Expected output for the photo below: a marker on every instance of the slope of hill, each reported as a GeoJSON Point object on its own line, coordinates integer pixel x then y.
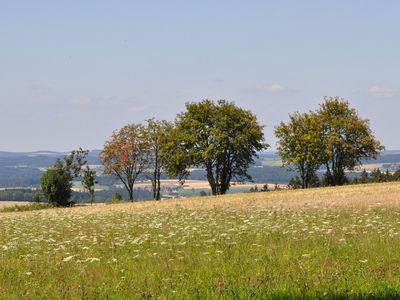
{"type": "Point", "coordinates": [337, 242]}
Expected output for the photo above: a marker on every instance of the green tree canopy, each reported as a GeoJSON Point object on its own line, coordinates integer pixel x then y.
{"type": "Point", "coordinates": [347, 139]}
{"type": "Point", "coordinates": [56, 185]}
{"type": "Point", "coordinates": [158, 134]}
{"type": "Point", "coordinates": [299, 145]}
{"type": "Point", "coordinates": [217, 136]}
{"type": "Point", "coordinates": [334, 136]}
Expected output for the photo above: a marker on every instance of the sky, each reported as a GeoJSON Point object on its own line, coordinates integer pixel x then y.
{"type": "Point", "coordinates": [72, 72]}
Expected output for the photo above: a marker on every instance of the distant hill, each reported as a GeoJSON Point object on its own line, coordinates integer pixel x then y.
{"type": "Point", "coordinates": [25, 168]}
{"type": "Point", "coordinates": [22, 169]}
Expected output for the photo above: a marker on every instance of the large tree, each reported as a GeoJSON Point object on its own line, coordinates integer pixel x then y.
{"type": "Point", "coordinates": [299, 145]}
{"type": "Point", "coordinates": [347, 139]}
{"type": "Point", "coordinates": [217, 136]}
{"type": "Point", "coordinates": [127, 154]}
{"type": "Point", "coordinates": [157, 134]}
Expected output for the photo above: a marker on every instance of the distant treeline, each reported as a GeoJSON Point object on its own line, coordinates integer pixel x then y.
{"type": "Point", "coordinates": [377, 176]}
{"type": "Point", "coordinates": [76, 197]}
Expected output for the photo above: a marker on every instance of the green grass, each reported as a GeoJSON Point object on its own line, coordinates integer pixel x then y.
{"type": "Point", "coordinates": [26, 207]}
{"type": "Point", "coordinates": [238, 248]}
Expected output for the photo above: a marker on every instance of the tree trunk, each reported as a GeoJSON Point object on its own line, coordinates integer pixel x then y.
{"type": "Point", "coordinates": [158, 185]}
{"type": "Point", "coordinates": [155, 178]}
{"type": "Point", "coordinates": [224, 188]}
{"type": "Point", "coordinates": [211, 180]}
{"type": "Point", "coordinates": [130, 194]}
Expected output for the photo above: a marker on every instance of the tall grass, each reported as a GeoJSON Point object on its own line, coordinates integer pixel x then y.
{"type": "Point", "coordinates": [237, 248]}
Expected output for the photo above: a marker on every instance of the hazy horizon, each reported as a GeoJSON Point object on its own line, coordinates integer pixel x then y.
{"type": "Point", "coordinates": [72, 72]}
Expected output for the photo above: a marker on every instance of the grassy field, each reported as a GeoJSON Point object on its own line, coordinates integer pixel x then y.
{"type": "Point", "coordinates": [329, 243]}
{"type": "Point", "coordinates": [11, 203]}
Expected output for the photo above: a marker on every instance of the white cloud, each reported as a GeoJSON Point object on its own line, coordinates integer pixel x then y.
{"type": "Point", "coordinates": [381, 91]}
{"type": "Point", "coordinates": [273, 88]}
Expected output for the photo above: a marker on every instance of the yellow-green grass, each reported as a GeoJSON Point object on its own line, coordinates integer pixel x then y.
{"type": "Point", "coordinates": [330, 243]}
{"type": "Point", "coordinates": [11, 203]}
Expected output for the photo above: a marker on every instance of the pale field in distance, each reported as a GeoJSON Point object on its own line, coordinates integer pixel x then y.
{"type": "Point", "coordinates": [197, 184]}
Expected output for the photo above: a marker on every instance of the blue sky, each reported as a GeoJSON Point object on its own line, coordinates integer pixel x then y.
{"type": "Point", "coordinates": [71, 72]}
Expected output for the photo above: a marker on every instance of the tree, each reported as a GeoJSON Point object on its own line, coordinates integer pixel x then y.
{"type": "Point", "coordinates": [396, 175]}
{"type": "Point", "coordinates": [88, 182]}
{"type": "Point", "coordinates": [299, 146]}
{"type": "Point", "coordinates": [347, 139]}
{"type": "Point", "coordinates": [37, 197]}
{"type": "Point", "coordinates": [127, 154]}
{"type": "Point", "coordinates": [203, 194]}
{"type": "Point", "coordinates": [56, 182]}
{"type": "Point", "coordinates": [217, 136]}
{"type": "Point", "coordinates": [56, 185]}
{"type": "Point", "coordinates": [116, 197]}
{"type": "Point", "coordinates": [157, 135]}
{"type": "Point", "coordinates": [364, 178]}
{"type": "Point", "coordinates": [295, 183]}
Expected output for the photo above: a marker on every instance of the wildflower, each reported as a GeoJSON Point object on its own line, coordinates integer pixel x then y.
{"type": "Point", "coordinates": [93, 259]}
{"type": "Point", "coordinates": [68, 258]}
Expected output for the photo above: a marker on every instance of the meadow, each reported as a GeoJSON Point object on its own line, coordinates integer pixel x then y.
{"type": "Point", "coordinates": [338, 242]}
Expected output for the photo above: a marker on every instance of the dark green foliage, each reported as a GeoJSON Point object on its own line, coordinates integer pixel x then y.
{"type": "Point", "coordinates": [56, 182]}
{"type": "Point", "coordinates": [56, 185]}
{"type": "Point", "coordinates": [396, 175]}
{"type": "Point", "coordinates": [377, 176]}
{"type": "Point", "coordinates": [203, 193]}
{"type": "Point", "coordinates": [38, 197]}
{"type": "Point", "coordinates": [253, 189]}
{"type": "Point", "coordinates": [295, 183]}
{"type": "Point", "coordinates": [364, 177]}
{"type": "Point", "coordinates": [334, 137]}
{"type": "Point", "coordinates": [116, 197]}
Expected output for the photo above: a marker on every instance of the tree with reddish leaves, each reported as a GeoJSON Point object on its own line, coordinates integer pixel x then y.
{"type": "Point", "coordinates": [127, 154]}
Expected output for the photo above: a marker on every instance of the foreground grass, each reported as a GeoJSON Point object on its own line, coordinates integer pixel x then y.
{"type": "Point", "coordinates": [327, 243]}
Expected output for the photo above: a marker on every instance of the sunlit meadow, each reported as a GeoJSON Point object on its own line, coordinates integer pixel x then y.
{"type": "Point", "coordinates": [334, 242]}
